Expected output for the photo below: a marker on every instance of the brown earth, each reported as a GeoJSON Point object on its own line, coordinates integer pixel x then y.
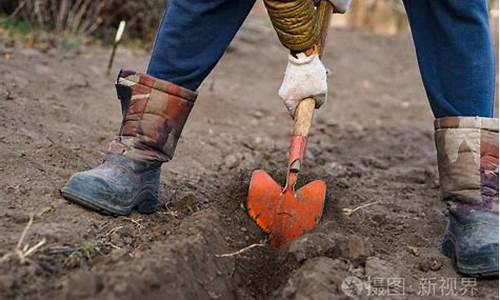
{"type": "Point", "coordinates": [373, 141]}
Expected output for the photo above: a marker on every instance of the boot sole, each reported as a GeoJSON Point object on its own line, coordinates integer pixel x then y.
{"type": "Point", "coordinates": [90, 203]}
{"type": "Point", "coordinates": [448, 249]}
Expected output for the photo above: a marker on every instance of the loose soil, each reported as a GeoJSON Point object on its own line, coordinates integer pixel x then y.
{"type": "Point", "coordinates": [372, 142]}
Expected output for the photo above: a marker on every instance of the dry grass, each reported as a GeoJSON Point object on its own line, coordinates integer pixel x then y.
{"type": "Point", "coordinates": [23, 250]}
{"type": "Point", "coordinates": [350, 211]}
{"type": "Point", "coordinates": [78, 17]}
{"type": "Point", "coordinates": [85, 17]}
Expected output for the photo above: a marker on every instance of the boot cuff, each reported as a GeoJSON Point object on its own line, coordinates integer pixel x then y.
{"type": "Point", "coordinates": [467, 152]}
{"type": "Point", "coordinates": [157, 84]}
{"type": "Point", "coordinates": [467, 122]}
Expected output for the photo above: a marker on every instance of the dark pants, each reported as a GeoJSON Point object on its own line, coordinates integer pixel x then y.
{"type": "Point", "coordinates": [452, 39]}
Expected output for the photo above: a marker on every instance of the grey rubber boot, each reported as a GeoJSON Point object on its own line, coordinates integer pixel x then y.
{"type": "Point", "coordinates": [154, 113]}
{"type": "Point", "coordinates": [467, 150]}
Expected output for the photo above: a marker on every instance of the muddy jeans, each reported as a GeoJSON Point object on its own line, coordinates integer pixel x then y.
{"type": "Point", "coordinates": [452, 40]}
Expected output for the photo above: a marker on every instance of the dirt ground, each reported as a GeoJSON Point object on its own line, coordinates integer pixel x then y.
{"type": "Point", "coordinates": [371, 143]}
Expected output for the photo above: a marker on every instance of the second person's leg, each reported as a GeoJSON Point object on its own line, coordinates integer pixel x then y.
{"type": "Point", "coordinates": [455, 56]}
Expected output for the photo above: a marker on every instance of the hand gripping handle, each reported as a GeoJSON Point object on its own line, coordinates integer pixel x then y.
{"type": "Point", "coordinates": [305, 109]}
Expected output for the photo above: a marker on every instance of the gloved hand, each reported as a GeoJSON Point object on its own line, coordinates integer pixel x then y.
{"type": "Point", "coordinates": [340, 6]}
{"type": "Point", "coordinates": [305, 76]}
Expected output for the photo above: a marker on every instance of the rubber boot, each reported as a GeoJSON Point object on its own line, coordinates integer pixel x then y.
{"type": "Point", "coordinates": [467, 149]}
{"type": "Point", "coordinates": [154, 113]}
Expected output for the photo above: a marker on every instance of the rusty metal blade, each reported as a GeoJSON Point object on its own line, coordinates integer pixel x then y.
{"type": "Point", "coordinates": [263, 193]}
{"type": "Point", "coordinates": [285, 216]}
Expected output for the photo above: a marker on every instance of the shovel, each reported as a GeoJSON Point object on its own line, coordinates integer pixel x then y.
{"type": "Point", "coordinates": [284, 212]}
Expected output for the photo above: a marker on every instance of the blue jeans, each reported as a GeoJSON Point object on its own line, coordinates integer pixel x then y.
{"type": "Point", "coordinates": [452, 40]}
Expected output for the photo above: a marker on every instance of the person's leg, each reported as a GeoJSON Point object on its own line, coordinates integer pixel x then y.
{"type": "Point", "coordinates": [455, 55]}
{"type": "Point", "coordinates": [193, 36]}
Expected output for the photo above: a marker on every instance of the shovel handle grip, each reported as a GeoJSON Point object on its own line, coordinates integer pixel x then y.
{"type": "Point", "coordinates": [303, 117]}
{"type": "Point", "coordinates": [305, 109]}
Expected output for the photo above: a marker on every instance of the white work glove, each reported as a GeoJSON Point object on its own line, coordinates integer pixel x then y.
{"type": "Point", "coordinates": [340, 6]}
{"type": "Point", "coordinates": [305, 77]}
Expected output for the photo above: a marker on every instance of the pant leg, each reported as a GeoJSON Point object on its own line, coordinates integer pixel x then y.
{"type": "Point", "coordinates": [193, 36]}
{"type": "Point", "coordinates": [455, 55]}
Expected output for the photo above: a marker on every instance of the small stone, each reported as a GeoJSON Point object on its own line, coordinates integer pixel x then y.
{"type": "Point", "coordinates": [413, 251]}
{"type": "Point", "coordinates": [311, 245]}
{"type": "Point", "coordinates": [355, 248]}
{"type": "Point", "coordinates": [231, 161]}
{"type": "Point", "coordinates": [9, 96]}
{"type": "Point", "coordinates": [430, 263]}
{"type": "Point", "coordinates": [258, 114]}
{"type": "Point", "coordinates": [318, 278]}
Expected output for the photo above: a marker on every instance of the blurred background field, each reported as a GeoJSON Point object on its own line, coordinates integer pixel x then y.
{"type": "Point", "coordinates": [99, 19]}
{"type": "Point", "coordinates": [84, 17]}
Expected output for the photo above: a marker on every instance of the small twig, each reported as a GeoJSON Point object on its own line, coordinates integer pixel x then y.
{"type": "Point", "coordinates": [45, 210]}
{"type": "Point", "coordinates": [60, 250]}
{"type": "Point", "coordinates": [261, 244]}
{"type": "Point", "coordinates": [22, 252]}
{"type": "Point", "coordinates": [113, 230]}
{"type": "Point", "coordinates": [135, 221]}
{"type": "Point", "coordinates": [112, 245]}
{"type": "Point", "coordinates": [34, 248]}
{"type": "Point", "coordinates": [25, 230]}
{"type": "Point", "coordinates": [50, 140]}
{"type": "Point", "coordinates": [349, 211]}
{"type": "Point", "coordinates": [116, 42]}
{"type": "Point", "coordinates": [172, 213]}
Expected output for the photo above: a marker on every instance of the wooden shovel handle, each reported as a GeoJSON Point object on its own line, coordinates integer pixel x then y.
{"type": "Point", "coordinates": [303, 117]}
{"type": "Point", "coordinates": [305, 109]}
{"type": "Point", "coordinates": [325, 11]}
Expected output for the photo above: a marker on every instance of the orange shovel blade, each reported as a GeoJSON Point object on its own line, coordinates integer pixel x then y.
{"type": "Point", "coordinates": [284, 215]}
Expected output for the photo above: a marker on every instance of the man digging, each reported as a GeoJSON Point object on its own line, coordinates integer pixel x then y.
{"type": "Point", "coordinates": [456, 60]}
